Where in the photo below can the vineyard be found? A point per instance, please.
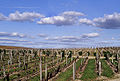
(83, 64)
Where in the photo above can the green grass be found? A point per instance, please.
(37, 77)
(89, 73)
(64, 76)
(107, 71)
(115, 63)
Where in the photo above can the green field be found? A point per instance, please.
(89, 72)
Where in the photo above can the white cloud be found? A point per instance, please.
(14, 34)
(2, 17)
(104, 42)
(65, 18)
(42, 35)
(82, 38)
(63, 38)
(25, 16)
(113, 38)
(57, 20)
(90, 35)
(72, 13)
(85, 21)
(7, 42)
(13, 40)
(111, 21)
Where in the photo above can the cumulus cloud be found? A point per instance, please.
(13, 40)
(111, 21)
(42, 35)
(108, 21)
(25, 16)
(82, 38)
(72, 13)
(90, 35)
(2, 17)
(86, 21)
(7, 42)
(14, 34)
(104, 42)
(65, 18)
(64, 38)
(113, 38)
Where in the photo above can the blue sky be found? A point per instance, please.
(60, 23)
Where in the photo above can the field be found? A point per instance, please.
(20, 64)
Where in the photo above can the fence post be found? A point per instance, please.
(46, 71)
(19, 60)
(40, 66)
(74, 70)
(100, 70)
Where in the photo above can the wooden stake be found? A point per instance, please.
(100, 70)
(46, 71)
(74, 70)
(40, 66)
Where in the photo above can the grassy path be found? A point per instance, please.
(107, 71)
(89, 73)
(64, 76)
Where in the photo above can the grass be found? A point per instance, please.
(37, 77)
(107, 71)
(89, 73)
(64, 76)
(115, 63)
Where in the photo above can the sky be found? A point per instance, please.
(60, 23)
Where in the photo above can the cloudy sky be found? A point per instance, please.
(60, 23)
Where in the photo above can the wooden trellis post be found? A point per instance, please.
(112, 58)
(99, 69)
(46, 70)
(1, 56)
(4, 74)
(66, 59)
(118, 62)
(24, 59)
(97, 57)
(10, 56)
(66, 56)
(119, 66)
(57, 56)
(28, 56)
(8, 65)
(61, 56)
(74, 69)
(40, 53)
(19, 60)
(53, 55)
